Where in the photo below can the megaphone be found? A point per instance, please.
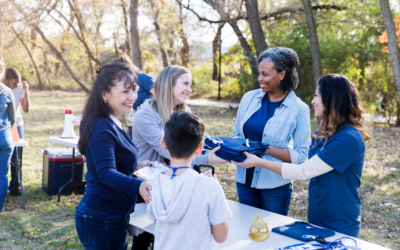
(68, 127)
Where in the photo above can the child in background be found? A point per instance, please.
(185, 203)
(20, 90)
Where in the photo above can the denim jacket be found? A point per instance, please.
(7, 112)
(289, 129)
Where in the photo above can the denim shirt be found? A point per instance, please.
(289, 128)
(6, 99)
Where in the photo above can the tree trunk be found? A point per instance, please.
(185, 44)
(127, 42)
(137, 52)
(30, 56)
(62, 59)
(164, 54)
(247, 51)
(115, 45)
(314, 44)
(215, 47)
(184, 50)
(255, 26)
(46, 69)
(393, 46)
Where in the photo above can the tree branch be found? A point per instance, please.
(274, 14)
(62, 59)
(81, 39)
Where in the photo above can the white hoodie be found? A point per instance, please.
(184, 207)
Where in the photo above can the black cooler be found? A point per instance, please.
(57, 166)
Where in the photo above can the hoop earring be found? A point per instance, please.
(280, 83)
(105, 100)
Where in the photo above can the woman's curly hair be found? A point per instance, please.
(342, 103)
(284, 59)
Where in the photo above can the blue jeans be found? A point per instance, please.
(276, 200)
(11, 187)
(98, 230)
(6, 150)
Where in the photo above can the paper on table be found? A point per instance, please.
(148, 173)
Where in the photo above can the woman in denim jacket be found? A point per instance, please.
(7, 120)
(273, 115)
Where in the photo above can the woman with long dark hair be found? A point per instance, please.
(336, 157)
(111, 158)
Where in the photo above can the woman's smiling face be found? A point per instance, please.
(182, 89)
(317, 104)
(269, 77)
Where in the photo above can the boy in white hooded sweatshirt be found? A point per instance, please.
(188, 208)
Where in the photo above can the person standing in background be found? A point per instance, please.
(20, 90)
(7, 120)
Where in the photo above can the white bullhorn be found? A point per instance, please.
(68, 127)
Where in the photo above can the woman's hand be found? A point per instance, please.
(212, 158)
(250, 162)
(143, 164)
(144, 191)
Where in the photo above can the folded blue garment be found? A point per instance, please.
(303, 231)
(232, 148)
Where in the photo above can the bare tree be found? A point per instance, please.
(185, 44)
(164, 54)
(216, 47)
(314, 44)
(21, 39)
(62, 59)
(127, 42)
(137, 52)
(393, 48)
(255, 26)
(247, 51)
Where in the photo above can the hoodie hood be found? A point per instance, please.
(172, 210)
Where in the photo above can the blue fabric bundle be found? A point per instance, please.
(303, 231)
(232, 148)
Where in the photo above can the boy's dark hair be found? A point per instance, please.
(183, 133)
(12, 73)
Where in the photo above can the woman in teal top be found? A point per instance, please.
(336, 158)
(273, 115)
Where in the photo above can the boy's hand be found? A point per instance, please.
(145, 163)
(212, 158)
(25, 87)
(144, 191)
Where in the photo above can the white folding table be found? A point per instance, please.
(73, 143)
(239, 226)
(18, 167)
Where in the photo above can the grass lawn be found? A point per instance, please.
(46, 224)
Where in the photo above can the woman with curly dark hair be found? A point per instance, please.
(336, 158)
(273, 115)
